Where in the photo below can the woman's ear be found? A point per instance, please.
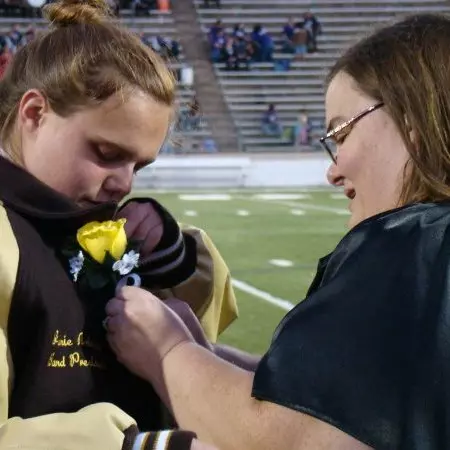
(32, 107)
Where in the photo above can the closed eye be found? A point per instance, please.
(339, 137)
(108, 155)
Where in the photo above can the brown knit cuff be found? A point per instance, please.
(130, 435)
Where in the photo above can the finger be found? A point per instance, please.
(149, 229)
(197, 445)
(114, 307)
(127, 293)
(152, 238)
(112, 343)
(114, 324)
(135, 214)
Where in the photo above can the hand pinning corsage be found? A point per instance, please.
(101, 255)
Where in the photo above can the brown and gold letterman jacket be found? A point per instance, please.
(54, 358)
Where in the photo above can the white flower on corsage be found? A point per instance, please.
(76, 264)
(128, 262)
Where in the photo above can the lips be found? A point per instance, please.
(350, 193)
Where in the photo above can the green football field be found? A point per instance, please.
(271, 240)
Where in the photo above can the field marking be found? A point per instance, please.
(281, 262)
(190, 213)
(204, 197)
(258, 293)
(321, 208)
(242, 212)
(297, 212)
(280, 196)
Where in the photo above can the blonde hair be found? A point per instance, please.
(82, 60)
(406, 66)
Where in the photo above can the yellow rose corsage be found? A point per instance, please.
(103, 254)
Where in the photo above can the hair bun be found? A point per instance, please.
(71, 12)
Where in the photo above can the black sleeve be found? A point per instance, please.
(343, 355)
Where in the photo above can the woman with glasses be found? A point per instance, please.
(364, 360)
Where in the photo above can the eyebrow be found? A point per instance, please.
(334, 122)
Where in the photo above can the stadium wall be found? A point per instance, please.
(234, 171)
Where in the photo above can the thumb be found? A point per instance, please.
(197, 445)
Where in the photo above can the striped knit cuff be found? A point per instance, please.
(164, 440)
(173, 260)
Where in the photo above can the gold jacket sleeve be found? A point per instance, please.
(97, 427)
(208, 291)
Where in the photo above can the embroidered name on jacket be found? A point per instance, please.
(69, 352)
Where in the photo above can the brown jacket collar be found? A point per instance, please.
(29, 197)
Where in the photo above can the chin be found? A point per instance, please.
(353, 221)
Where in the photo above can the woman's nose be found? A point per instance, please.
(334, 177)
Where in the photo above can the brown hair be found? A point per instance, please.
(406, 66)
(82, 60)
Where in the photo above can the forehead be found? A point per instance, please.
(343, 99)
(138, 121)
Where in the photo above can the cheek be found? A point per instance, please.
(82, 179)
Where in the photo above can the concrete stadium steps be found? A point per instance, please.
(301, 88)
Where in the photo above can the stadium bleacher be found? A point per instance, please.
(301, 87)
(247, 93)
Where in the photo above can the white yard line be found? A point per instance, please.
(281, 262)
(269, 298)
(204, 197)
(299, 205)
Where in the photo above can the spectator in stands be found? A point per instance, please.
(235, 54)
(217, 46)
(16, 7)
(313, 28)
(300, 43)
(5, 59)
(14, 38)
(239, 31)
(142, 7)
(270, 124)
(229, 53)
(208, 145)
(243, 52)
(207, 3)
(149, 41)
(263, 44)
(168, 48)
(29, 35)
(191, 117)
(114, 6)
(288, 34)
(302, 129)
(215, 30)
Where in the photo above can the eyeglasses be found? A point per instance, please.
(329, 141)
